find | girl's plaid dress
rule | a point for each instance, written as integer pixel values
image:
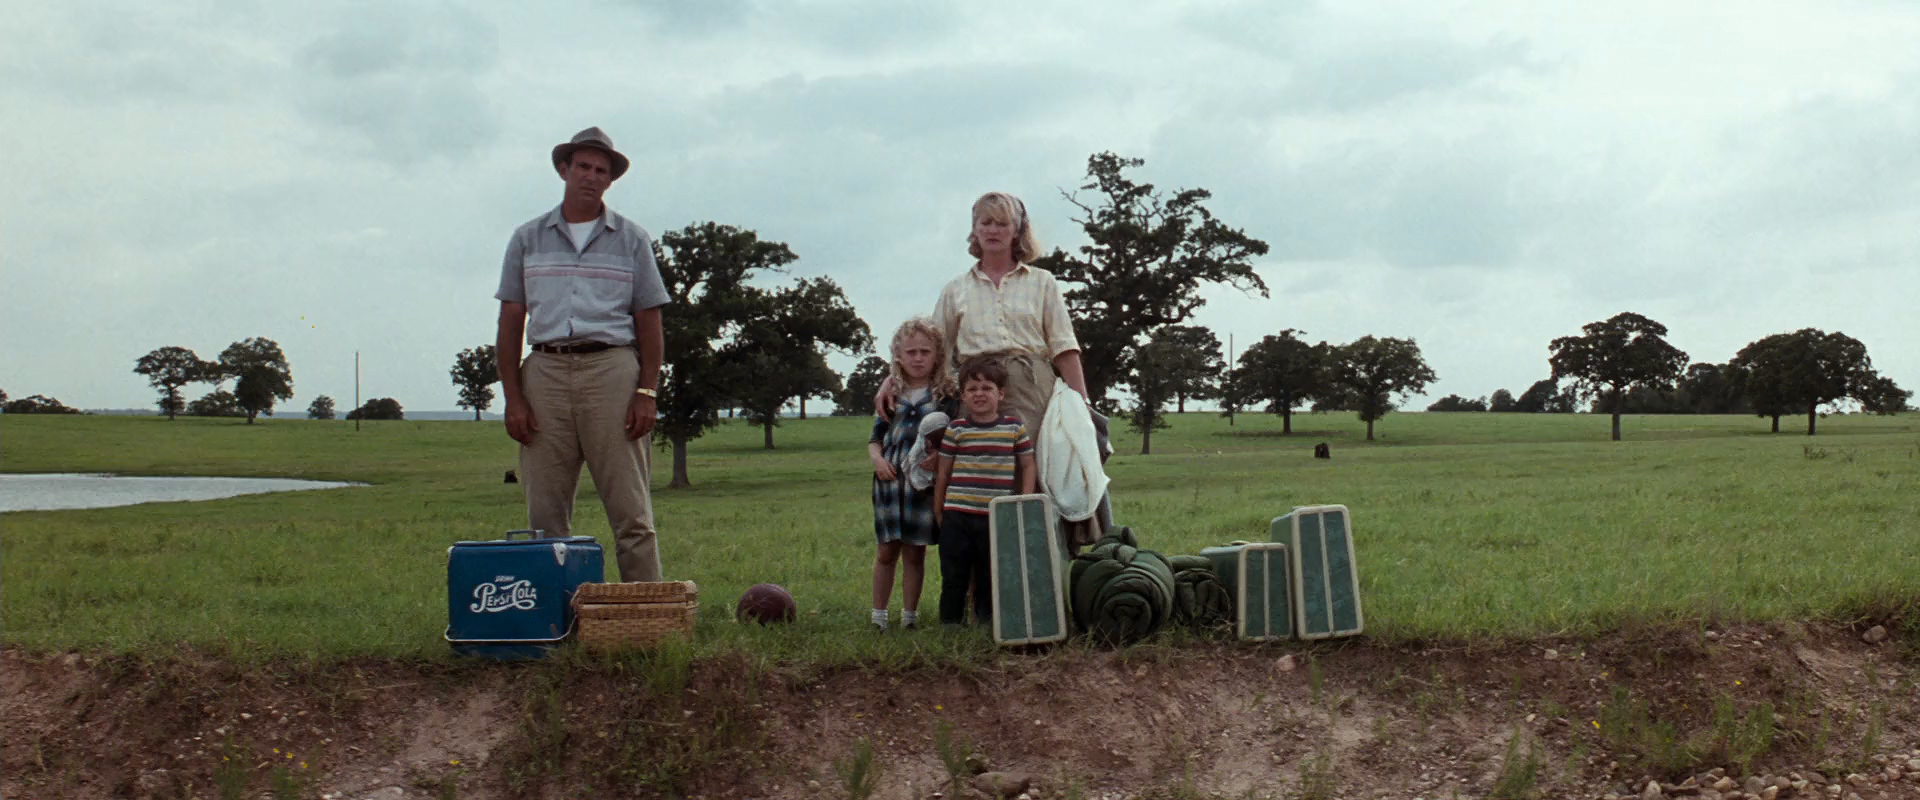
(899, 512)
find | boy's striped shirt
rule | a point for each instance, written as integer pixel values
(983, 461)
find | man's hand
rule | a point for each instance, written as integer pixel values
(883, 399)
(640, 416)
(883, 469)
(520, 422)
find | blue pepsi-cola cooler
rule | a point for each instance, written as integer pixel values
(510, 598)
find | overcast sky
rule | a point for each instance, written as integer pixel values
(1481, 177)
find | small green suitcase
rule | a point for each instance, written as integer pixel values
(1326, 578)
(1029, 571)
(1257, 575)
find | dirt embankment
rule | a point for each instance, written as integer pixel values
(1780, 711)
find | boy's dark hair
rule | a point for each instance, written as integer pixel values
(984, 368)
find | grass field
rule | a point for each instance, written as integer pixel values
(1468, 525)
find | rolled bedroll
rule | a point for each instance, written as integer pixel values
(1200, 597)
(1121, 593)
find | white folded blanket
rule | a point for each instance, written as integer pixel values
(1069, 465)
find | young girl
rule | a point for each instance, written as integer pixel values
(903, 515)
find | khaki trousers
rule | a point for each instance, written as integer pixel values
(1030, 382)
(580, 403)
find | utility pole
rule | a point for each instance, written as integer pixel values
(356, 390)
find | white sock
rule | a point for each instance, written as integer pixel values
(880, 617)
(909, 617)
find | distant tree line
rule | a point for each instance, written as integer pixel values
(1623, 365)
(34, 404)
(257, 367)
(261, 378)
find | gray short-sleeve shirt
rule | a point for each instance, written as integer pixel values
(581, 294)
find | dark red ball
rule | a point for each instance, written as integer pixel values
(764, 603)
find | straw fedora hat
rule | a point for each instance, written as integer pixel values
(596, 139)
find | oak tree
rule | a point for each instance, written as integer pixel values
(1804, 370)
(1190, 363)
(1154, 383)
(168, 369)
(856, 397)
(706, 268)
(1379, 373)
(781, 335)
(1284, 372)
(261, 375)
(1615, 355)
(475, 371)
(378, 408)
(1546, 396)
(1147, 257)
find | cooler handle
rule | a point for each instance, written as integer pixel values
(530, 532)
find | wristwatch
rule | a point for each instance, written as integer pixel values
(646, 391)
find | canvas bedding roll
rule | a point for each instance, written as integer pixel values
(1121, 593)
(1200, 598)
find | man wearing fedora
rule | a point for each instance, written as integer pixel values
(580, 286)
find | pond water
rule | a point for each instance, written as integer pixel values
(55, 491)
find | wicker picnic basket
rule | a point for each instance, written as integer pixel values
(659, 592)
(634, 614)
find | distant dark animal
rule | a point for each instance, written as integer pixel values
(511, 478)
(1321, 450)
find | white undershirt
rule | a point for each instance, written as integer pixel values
(580, 231)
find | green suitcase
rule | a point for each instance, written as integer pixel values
(1326, 578)
(1257, 575)
(1029, 571)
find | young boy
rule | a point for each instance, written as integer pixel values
(984, 455)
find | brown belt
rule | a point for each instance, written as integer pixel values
(574, 349)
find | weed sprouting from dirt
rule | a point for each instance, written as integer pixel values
(541, 747)
(1575, 759)
(230, 777)
(1629, 727)
(1553, 709)
(1822, 738)
(1735, 738)
(1316, 778)
(859, 771)
(668, 667)
(1316, 680)
(662, 755)
(1870, 741)
(1423, 701)
(287, 785)
(953, 752)
(1519, 769)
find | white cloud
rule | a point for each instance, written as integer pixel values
(342, 177)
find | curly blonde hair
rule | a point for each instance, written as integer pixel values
(940, 380)
(1003, 207)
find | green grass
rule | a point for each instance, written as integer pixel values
(1467, 525)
